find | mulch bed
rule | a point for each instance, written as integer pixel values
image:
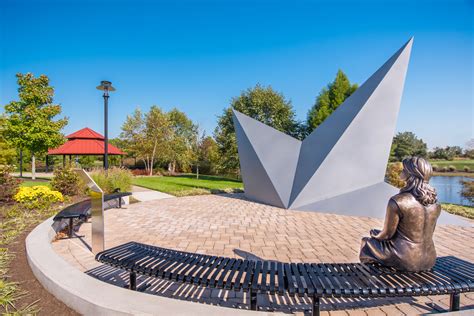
(19, 271)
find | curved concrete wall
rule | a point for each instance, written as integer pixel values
(89, 296)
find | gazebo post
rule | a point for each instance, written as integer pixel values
(64, 161)
(47, 163)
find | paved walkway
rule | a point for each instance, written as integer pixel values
(231, 226)
(144, 194)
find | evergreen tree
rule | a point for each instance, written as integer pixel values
(328, 100)
(406, 144)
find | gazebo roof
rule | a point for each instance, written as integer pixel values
(85, 142)
(85, 133)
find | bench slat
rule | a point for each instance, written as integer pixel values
(449, 275)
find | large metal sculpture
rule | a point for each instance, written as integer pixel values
(406, 240)
(340, 167)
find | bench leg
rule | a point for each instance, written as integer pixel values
(316, 305)
(133, 281)
(253, 300)
(454, 302)
(69, 231)
(120, 202)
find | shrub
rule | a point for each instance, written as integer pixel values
(435, 167)
(466, 169)
(393, 174)
(8, 184)
(66, 181)
(444, 169)
(139, 172)
(451, 168)
(468, 190)
(38, 196)
(115, 178)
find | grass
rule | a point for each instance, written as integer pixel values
(458, 164)
(462, 210)
(454, 174)
(187, 184)
(31, 183)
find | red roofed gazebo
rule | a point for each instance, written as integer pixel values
(84, 142)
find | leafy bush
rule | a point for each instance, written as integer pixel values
(115, 178)
(8, 184)
(392, 175)
(451, 168)
(38, 196)
(66, 181)
(444, 169)
(468, 190)
(466, 169)
(140, 172)
(435, 167)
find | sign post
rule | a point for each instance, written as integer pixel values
(97, 211)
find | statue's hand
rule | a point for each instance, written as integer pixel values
(374, 233)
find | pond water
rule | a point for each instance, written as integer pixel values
(449, 189)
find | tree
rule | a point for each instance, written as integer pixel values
(30, 122)
(469, 151)
(147, 136)
(406, 144)
(329, 100)
(7, 152)
(439, 153)
(208, 155)
(448, 153)
(183, 139)
(261, 103)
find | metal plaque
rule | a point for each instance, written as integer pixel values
(97, 211)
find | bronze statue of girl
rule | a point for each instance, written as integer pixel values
(406, 241)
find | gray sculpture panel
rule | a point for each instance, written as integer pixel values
(340, 167)
(263, 149)
(359, 156)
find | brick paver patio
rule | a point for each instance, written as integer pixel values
(229, 225)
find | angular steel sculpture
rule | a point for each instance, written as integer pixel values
(340, 167)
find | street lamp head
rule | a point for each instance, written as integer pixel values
(105, 86)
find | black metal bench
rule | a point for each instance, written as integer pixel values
(81, 210)
(315, 280)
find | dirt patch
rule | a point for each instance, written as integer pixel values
(19, 271)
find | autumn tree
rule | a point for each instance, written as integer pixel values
(31, 121)
(329, 100)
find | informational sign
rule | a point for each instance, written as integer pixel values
(97, 211)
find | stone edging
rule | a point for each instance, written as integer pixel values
(89, 296)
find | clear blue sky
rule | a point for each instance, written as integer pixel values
(197, 55)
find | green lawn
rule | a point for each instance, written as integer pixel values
(458, 164)
(30, 183)
(188, 184)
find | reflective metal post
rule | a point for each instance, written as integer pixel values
(97, 211)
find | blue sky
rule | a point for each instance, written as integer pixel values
(197, 55)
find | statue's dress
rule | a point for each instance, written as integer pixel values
(406, 241)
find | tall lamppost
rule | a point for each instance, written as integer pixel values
(106, 86)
